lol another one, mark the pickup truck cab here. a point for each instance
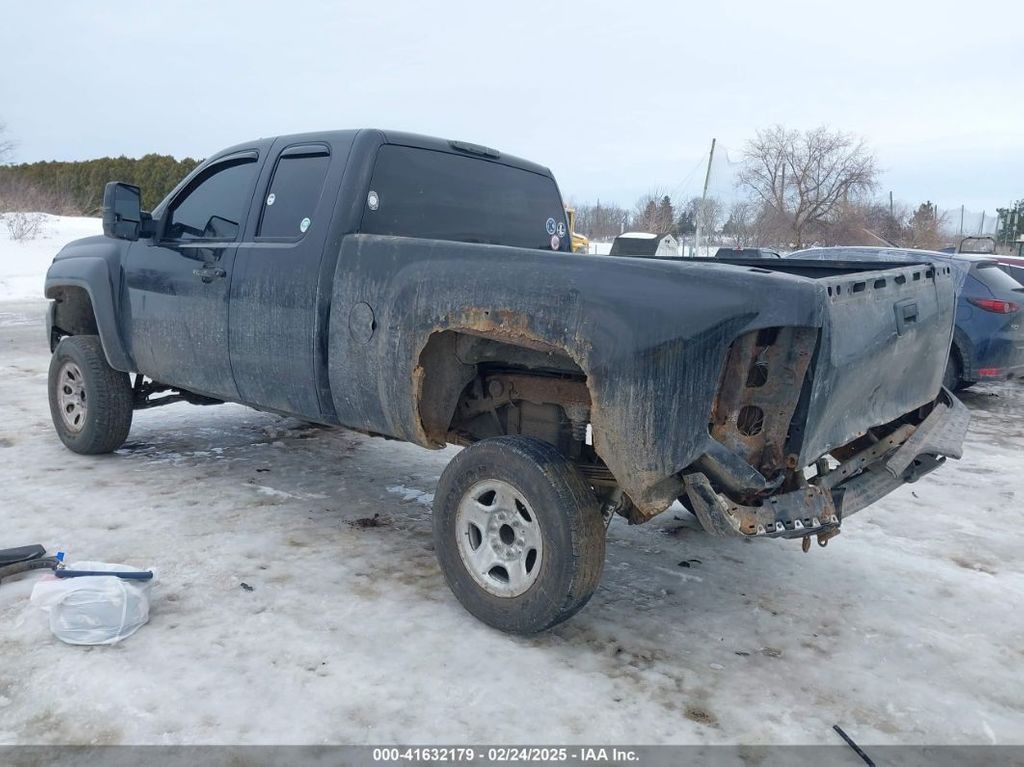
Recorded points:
(424, 290)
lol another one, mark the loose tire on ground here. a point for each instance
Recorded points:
(501, 499)
(90, 402)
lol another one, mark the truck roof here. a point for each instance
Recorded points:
(402, 138)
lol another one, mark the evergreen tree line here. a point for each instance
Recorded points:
(76, 188)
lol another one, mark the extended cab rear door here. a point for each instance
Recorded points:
(275, 281)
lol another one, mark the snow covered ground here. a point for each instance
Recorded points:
(906, 629)
(23, 264)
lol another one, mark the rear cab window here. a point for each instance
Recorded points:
(294, 191)
(438, 195)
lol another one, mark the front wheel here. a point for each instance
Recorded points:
(90, 402)
(518, 534)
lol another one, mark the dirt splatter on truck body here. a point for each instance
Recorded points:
(424, 290)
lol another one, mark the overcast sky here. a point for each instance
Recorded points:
(616, 97)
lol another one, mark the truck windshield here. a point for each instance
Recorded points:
(441, 196)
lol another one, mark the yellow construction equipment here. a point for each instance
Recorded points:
(580, 243)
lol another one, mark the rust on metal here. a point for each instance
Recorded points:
(506, 324)
(760, 389)
(789, 515)
(826, 535)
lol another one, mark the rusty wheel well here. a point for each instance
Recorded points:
(74, 315)
(468, 384)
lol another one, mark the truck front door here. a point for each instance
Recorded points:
(178, 282)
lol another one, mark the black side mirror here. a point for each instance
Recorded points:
(123, 217)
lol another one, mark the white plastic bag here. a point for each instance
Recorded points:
(94, 609)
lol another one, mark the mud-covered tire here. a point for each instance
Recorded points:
(80, 377)
(571, 530)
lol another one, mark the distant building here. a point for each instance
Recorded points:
(644, 244)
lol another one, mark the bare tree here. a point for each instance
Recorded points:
(892, 225)
(20, 224)
(6, 145)
(854, 223)
(653, 213)
(741, 225)
(805, 176)
(709, 216)
(23, 226)
(924, 228)
(599, 221)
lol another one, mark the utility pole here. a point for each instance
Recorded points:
(703, 197)
(961, 222)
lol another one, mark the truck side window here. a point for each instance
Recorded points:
(293, 194)
(215, 204)
(444, 196)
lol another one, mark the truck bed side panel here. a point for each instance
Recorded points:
(651, 337)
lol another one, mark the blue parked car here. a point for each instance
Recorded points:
(988, 340)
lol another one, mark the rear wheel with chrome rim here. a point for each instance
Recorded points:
(518, 534)
(499, 538)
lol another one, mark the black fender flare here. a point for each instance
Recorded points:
(93, 276)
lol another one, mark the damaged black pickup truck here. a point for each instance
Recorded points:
(424, 290)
